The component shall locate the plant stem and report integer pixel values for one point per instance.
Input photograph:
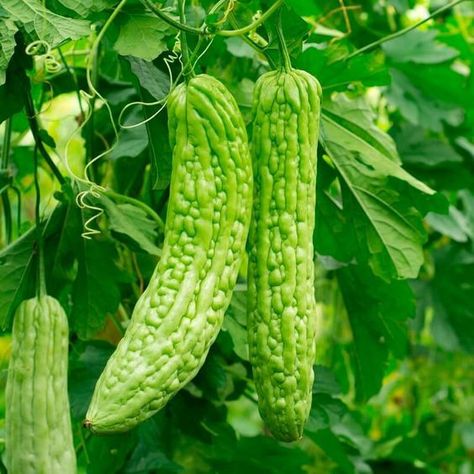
(171, 21)
(18, 212)
(180, 25)
(404, 31)
(74, 79)
(7, 213)
(127, 199)
(254, 45)
(187, 67)
(216, 6)
(285, 55)
(41, 287)
(255, 24)
(7, 210)
(6, 143)
(31, 116)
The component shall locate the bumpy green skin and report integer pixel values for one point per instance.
(38, 436)
(180, 313)
(281, 297)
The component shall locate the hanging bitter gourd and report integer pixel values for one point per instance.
(180, 313)
(38, 436)
(281, 296)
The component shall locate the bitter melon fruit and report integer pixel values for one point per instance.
(38, 436)
(179, 315)
(281, 294)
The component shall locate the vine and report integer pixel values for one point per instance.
(404, 31)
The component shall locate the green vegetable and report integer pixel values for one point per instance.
(179, 315)
(38, 436)
(281, 300)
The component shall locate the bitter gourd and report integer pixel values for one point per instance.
(180, 313)
(281, 296)
(38, 436)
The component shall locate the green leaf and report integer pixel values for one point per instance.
(294, 30)
(154, 80)
(333, 448)
(441, 83)
(258, 455)
(156, 125)
(325, 381)
(12, 94)
(419, 47)
(85, 8)
(43, 24)
(131, 142)
(384, 202)
(96, 291)
(18, 265)
(336, 75)
(355, 121)
(420, 109)
(146, 459)
(132, 225)
(417, 149)
(7, 46)
(378, 313)
(239, 48)
(454, 225)
(86, 363)
(337, 432)
(235, 323)
(109, 453)
(453, 293)
(466, 431)
(17, 273)
(330, 236)
(142, 36)
(305, 7)
(467, 200)
(150, 452)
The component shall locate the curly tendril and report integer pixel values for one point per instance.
(174, 56)
(42, 50)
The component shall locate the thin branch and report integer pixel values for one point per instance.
(255, 24)
(285, 55)
(171, 21)
(7, 213)
(72, 73)
(7, 210)
(35, 130)
(187, 68)
(337, 10)
(404, 31)
(203, 31)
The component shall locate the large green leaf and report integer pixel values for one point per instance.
(419, 47)
(16, 269)
(19, 265)
(7, 46)
(336, 74)
(384, 202)
(143, 36)
(40, 23)
(95, 276)
(452, 294)
(132, 226)
(96, 292)
(378, 313)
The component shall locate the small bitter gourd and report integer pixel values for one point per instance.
(180, 313)
(38, 436)
(281, 295)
